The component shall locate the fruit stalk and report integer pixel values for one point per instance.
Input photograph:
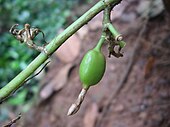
(99, 44)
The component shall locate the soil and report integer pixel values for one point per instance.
(144, 101)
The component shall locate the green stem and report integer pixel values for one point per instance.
(116, 34)
(106, 14)
(106, 19)
(17, 82)
(108, 25)
(113, 30)
(100, 43)
(107, 22)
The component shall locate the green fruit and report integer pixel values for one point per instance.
(92, 67)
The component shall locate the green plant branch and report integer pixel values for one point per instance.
(108, 25)
(18, 81)
(113, 30)
(101, 41)
(116, 34)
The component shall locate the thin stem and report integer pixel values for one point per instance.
(14, 84)
(108, 25)
(116, 34)
(106, 13)
(106, 19)
(113, 30)
(100, 43)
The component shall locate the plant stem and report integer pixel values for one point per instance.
(116, 34)
(113, 30)
(18, 81)
(106, 19)
(99, 44)
(108, 25)
(107, 22)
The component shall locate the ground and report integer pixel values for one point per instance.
(144, 98)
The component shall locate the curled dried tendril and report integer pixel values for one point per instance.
(27, 35)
